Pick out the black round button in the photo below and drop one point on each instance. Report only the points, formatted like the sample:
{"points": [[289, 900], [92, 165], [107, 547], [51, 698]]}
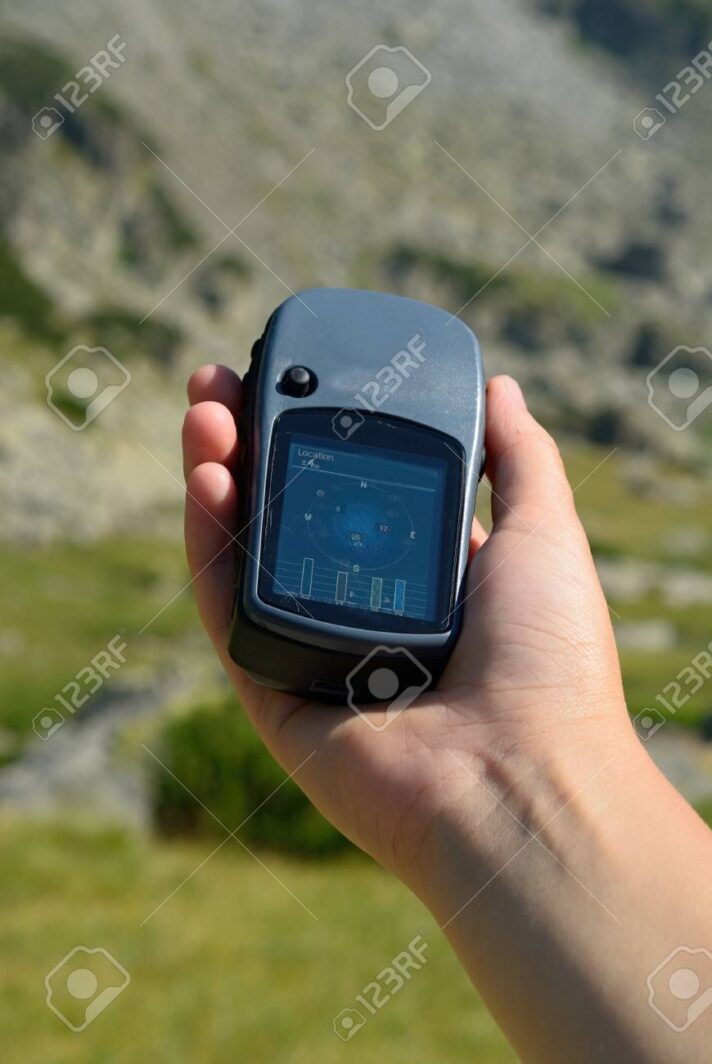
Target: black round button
{"points": [[297, 381]]}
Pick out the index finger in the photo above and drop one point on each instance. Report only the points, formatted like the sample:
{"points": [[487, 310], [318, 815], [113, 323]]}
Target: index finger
{"points": [[218, 384]]}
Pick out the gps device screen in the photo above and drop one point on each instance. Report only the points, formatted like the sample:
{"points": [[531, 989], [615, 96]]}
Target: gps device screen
{"points": [[358, 531]]}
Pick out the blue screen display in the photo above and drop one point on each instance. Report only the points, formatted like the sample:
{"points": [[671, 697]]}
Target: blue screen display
{"points": [[361, 527]]}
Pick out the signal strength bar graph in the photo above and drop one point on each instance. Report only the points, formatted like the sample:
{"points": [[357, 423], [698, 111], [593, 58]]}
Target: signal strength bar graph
{"points": [[309, 580], [307, 574]]}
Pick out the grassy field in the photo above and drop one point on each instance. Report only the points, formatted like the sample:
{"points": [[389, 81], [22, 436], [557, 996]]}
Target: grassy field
{"points": [[625, 524], [641, 523], [622, 523], [63, 603], [231, 967]]}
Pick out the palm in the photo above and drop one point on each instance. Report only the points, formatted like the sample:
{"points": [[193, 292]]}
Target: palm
{"points": [[533, 598]]}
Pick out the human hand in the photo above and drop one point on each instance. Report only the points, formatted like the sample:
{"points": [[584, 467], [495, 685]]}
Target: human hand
{"points": [[533, 676]]}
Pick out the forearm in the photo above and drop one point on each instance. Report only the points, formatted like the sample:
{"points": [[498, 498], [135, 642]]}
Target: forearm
{"points": [[563, 887]]}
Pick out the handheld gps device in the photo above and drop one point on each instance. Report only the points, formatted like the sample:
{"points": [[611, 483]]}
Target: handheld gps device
{"points": [[360, 452]]}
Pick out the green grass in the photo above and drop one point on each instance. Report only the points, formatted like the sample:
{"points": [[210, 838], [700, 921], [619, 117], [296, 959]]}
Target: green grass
{"points": [[231, 967], [621, 523], [645, 675], [705, 810], [62, 604]]}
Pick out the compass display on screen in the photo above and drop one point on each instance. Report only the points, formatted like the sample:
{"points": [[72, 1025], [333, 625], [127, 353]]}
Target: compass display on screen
{"points": [[357, 523], [359, 529]]}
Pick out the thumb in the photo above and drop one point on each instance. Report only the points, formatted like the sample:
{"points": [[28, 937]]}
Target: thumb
{"points": [[524, 466]]}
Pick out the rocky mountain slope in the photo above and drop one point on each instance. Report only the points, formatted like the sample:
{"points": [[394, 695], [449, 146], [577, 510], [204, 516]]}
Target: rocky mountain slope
{"points": [[114, 231]]}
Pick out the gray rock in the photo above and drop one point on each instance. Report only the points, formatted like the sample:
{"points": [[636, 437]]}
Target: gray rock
{"points": [[645, 635]]}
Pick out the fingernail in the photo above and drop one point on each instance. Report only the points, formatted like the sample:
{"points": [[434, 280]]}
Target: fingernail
{"points": [[515, 393]]}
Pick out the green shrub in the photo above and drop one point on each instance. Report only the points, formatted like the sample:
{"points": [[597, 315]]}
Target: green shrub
{"points": [[214, 752], [535, 309], [30, 73], [125, 335]]}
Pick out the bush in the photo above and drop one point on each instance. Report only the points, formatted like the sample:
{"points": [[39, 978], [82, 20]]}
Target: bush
{"points": [[535, 310], [214, 752]]}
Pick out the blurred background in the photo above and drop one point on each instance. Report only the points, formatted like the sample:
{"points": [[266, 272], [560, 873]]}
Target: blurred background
{"points": [[171, 170]]}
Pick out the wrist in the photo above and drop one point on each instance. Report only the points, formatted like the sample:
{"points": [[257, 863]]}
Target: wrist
{"points": [[547, 792]]}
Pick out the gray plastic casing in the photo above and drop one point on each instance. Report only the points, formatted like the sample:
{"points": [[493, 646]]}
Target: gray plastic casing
{"points": [[346, 337]]}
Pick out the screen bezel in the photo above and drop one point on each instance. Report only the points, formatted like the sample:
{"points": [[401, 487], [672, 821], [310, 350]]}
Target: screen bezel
{"points": [[377, 431]]}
